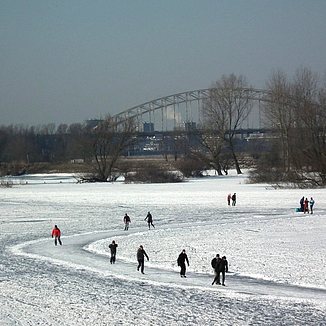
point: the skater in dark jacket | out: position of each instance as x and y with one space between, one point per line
126 220
56 234
182 259
141 254
224 268
113 248
234 199
149 219
311 202
302 204
216 261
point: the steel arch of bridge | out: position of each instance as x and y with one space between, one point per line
174 100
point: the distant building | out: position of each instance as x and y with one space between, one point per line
148 126
189 126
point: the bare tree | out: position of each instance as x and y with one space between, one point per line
225 110
296 109
311 121
109 139
211 149
280 113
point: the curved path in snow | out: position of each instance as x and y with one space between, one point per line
73 255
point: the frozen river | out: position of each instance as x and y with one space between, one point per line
276 256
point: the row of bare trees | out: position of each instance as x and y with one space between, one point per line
296 110
99 146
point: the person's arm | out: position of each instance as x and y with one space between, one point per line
187 260
146 255
226 266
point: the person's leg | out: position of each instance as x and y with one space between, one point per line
55 241
223 277
218 281
113 259
59 241
142 266
139 264
153 225
215 279
183 270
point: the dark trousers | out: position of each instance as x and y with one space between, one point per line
112 259
183 269
217 278
141 265
151 224
56 239
223 277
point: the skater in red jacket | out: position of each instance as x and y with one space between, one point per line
56 233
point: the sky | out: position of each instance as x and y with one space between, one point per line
69 61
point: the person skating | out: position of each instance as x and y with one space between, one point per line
113 248
224 268
141 254
56 234
149 219
234 199
127 221
182 259
229 199
216 261
311 202
302 204
306 206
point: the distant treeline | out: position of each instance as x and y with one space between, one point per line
295 109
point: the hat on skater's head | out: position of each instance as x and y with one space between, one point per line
217 255
223 257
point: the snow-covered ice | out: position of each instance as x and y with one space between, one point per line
276 256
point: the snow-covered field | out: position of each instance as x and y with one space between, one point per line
277 257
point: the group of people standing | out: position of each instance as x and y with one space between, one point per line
305 204
232 198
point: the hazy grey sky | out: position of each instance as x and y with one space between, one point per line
66 61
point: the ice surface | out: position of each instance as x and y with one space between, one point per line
276 256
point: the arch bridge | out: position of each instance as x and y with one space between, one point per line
182 111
